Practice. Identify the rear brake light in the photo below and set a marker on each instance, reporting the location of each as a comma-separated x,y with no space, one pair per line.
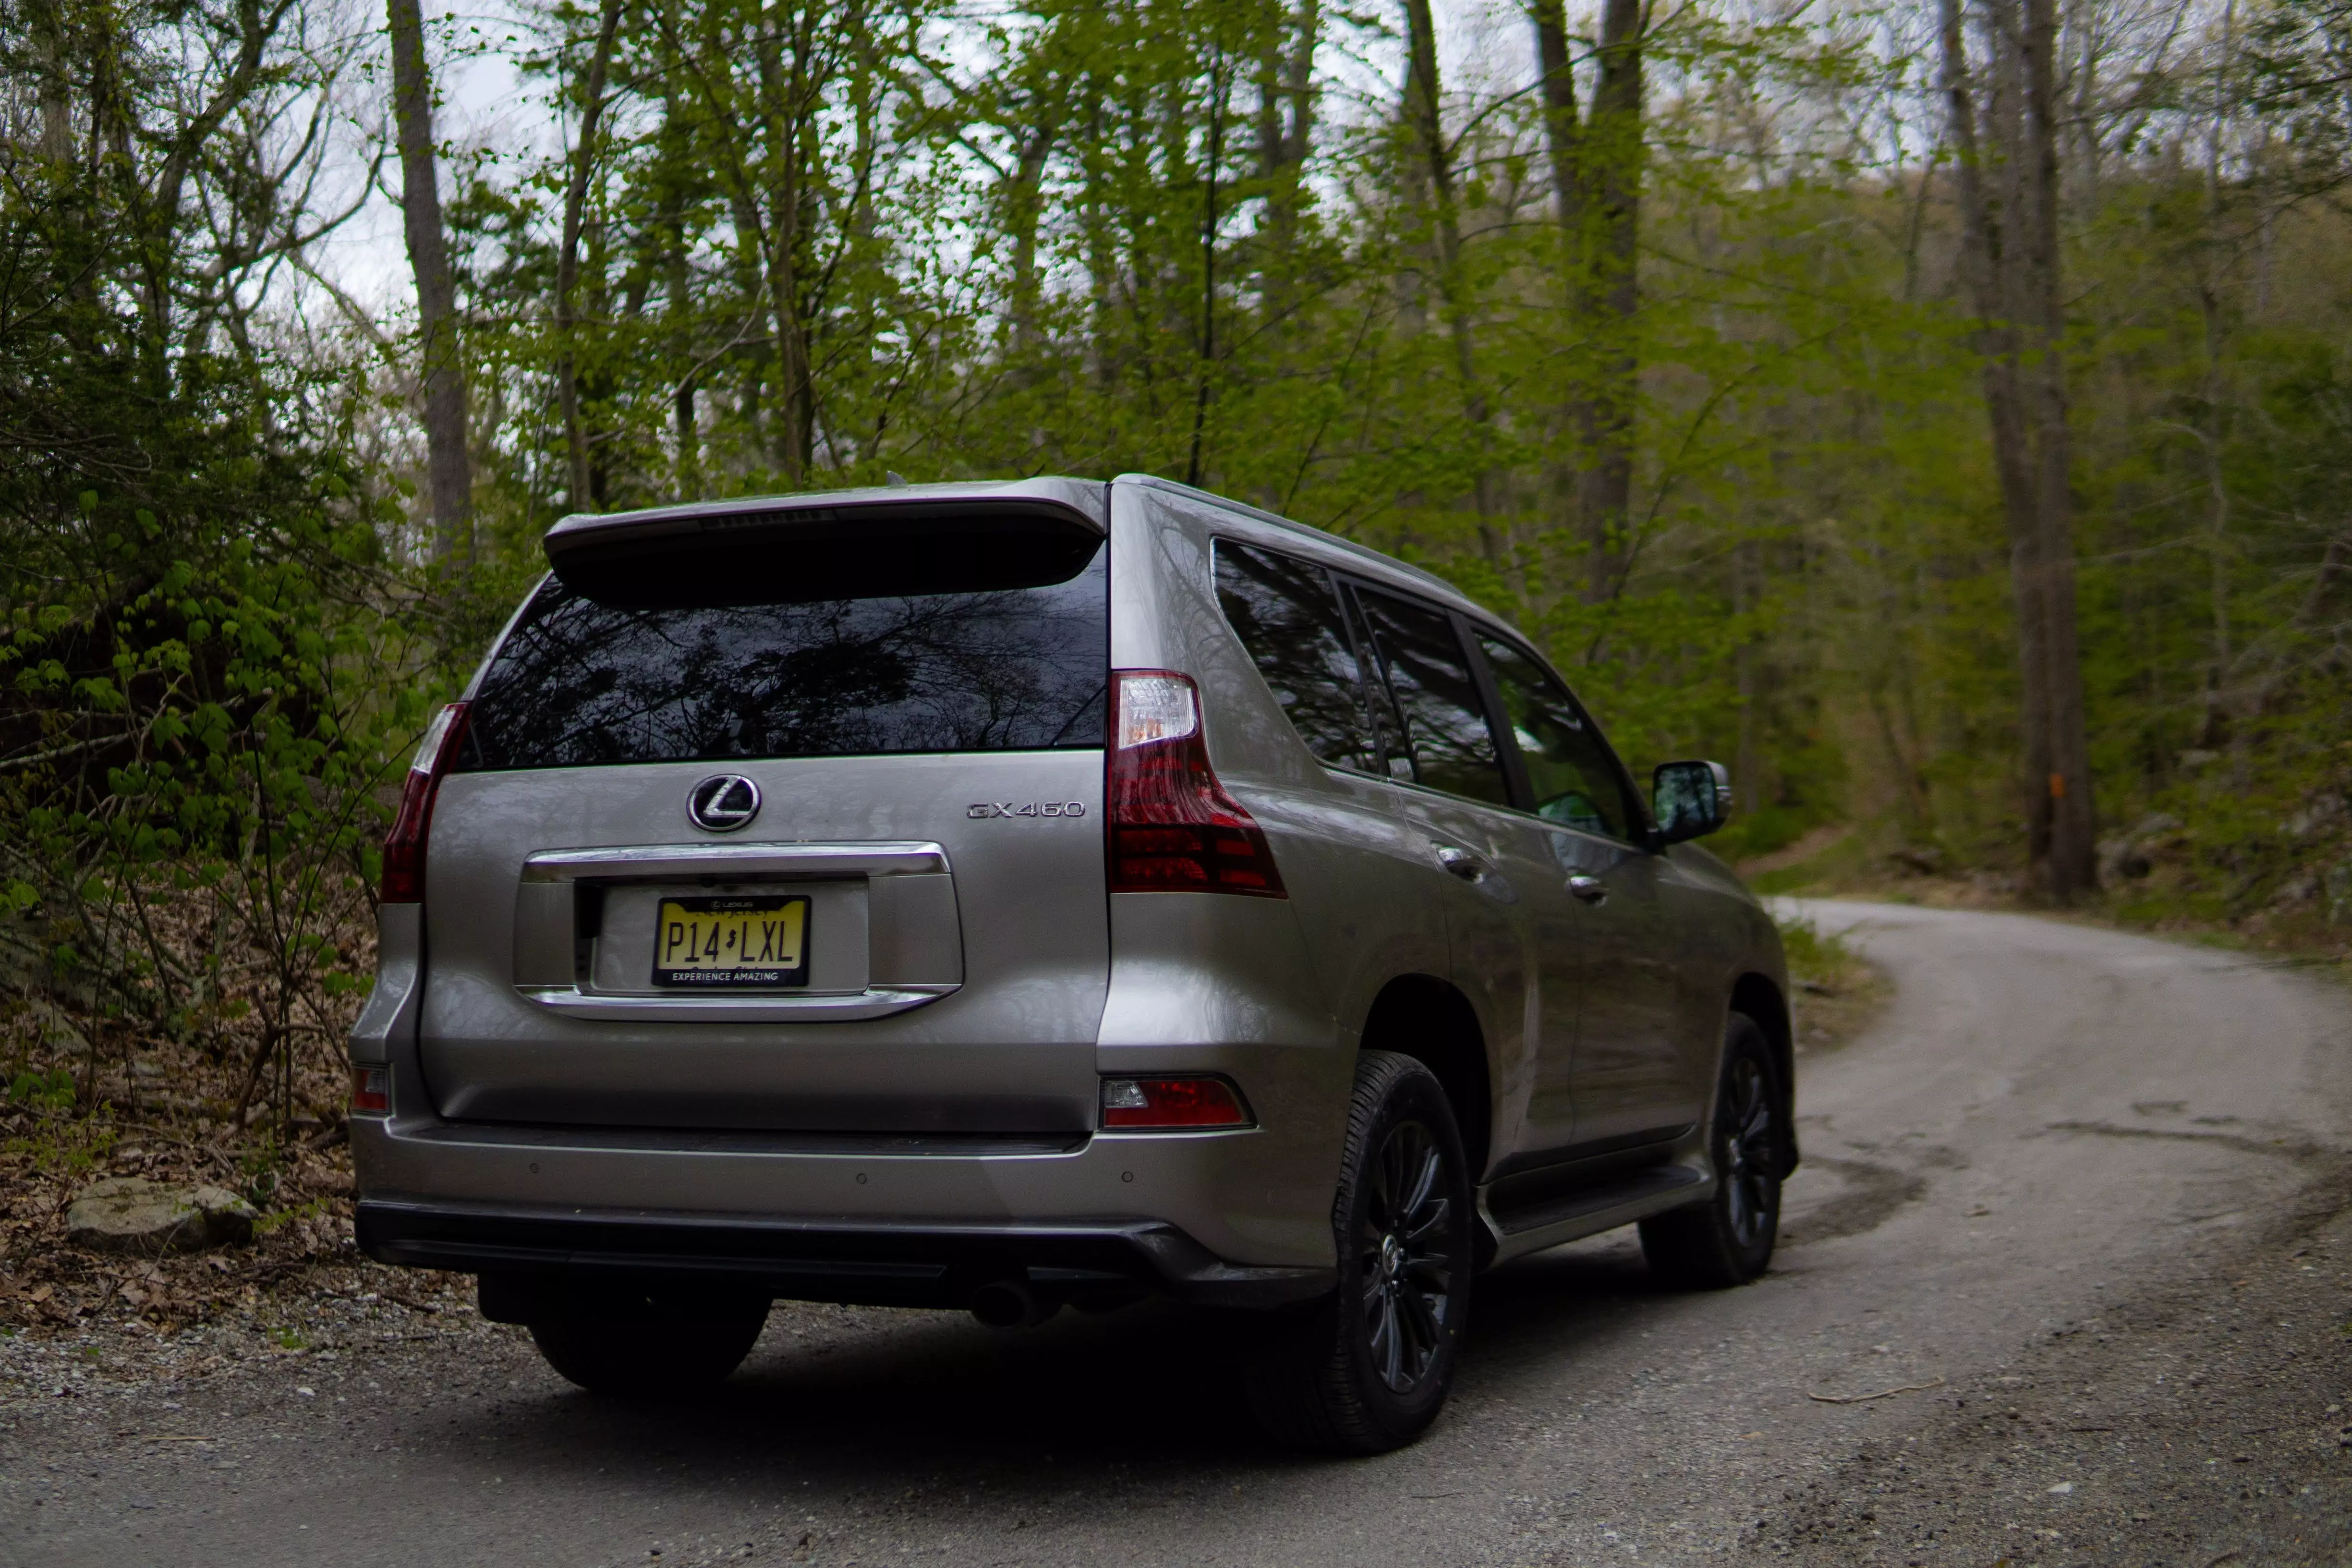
1172,827
404,846
1138,1102
371,1088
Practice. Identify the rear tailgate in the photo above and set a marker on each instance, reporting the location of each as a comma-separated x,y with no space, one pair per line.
918,896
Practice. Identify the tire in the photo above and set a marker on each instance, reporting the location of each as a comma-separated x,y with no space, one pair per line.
645,1343
1367,1368
1729,1239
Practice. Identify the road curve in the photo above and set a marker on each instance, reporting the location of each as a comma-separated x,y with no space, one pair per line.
2048,1118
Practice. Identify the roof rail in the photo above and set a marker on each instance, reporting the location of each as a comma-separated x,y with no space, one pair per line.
1153,481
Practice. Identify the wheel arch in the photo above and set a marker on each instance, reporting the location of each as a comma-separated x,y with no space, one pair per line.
1426,1019
1756,996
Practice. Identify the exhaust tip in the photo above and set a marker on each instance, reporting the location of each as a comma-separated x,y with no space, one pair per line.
1008,1304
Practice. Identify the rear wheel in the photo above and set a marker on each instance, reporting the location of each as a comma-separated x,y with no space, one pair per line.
632,1341
1367,1368
1729,1239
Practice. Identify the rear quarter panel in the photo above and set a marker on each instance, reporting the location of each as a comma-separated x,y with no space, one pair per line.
1273,991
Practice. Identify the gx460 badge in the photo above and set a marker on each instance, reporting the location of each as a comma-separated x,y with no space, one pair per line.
1026,808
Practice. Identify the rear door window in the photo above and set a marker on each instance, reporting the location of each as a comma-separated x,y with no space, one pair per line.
853,641
1286,613
1447,737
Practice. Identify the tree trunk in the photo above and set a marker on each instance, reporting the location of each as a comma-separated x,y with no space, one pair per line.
2074,851
1204,364
2010,264
1560,122
55,90
1610,221
1563,131
1023,205
449,471
1286,127
1596,173
1424,99
567,262
675,185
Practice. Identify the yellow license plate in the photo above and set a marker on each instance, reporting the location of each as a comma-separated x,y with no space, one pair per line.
722,944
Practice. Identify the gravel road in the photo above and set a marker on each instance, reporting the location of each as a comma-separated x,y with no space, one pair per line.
2075,1207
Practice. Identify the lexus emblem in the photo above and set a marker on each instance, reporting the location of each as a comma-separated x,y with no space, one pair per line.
724,803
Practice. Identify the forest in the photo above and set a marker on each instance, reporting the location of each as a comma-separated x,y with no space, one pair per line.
1940,411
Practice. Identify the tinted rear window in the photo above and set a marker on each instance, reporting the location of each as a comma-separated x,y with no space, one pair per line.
1286,613
844,642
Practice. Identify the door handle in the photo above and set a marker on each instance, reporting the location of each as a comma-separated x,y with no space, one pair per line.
1592,890
1461,862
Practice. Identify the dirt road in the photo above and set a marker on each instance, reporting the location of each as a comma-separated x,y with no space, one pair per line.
2076,1194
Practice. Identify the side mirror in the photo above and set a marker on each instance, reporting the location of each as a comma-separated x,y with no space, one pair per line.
1689,800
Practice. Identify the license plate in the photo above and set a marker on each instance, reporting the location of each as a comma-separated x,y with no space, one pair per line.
725,943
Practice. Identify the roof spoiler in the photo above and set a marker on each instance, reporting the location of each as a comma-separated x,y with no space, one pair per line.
1082,501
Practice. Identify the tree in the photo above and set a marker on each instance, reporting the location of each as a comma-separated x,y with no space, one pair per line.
585,491
1596,168
2008,174
448,467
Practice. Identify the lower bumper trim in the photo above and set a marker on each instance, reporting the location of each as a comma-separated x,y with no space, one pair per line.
857,1262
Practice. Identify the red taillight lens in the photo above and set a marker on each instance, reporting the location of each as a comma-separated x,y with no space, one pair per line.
1135,1102
404,846
372,1088
1173,828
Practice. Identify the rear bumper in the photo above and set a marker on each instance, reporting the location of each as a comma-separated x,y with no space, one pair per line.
862,1261
1234,1195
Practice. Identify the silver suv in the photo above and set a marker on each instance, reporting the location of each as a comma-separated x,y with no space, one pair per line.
1010,896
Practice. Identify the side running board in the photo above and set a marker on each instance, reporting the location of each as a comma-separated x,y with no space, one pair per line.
1567,1216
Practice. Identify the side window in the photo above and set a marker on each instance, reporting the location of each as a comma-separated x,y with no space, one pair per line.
1286,612
1576,782
1428,673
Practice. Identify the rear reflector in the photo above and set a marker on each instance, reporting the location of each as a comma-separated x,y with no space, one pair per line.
1138,1102
404,846
372,1088
1173,828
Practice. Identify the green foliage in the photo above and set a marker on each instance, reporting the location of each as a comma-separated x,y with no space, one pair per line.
211,652
277,1219
66,1146
261,1169
34,1090
1821,965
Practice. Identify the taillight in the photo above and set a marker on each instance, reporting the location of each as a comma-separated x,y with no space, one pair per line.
404,846
1173,828
1144,1102
372,1088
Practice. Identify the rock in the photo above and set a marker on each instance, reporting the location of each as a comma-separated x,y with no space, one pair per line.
2294,891
130,1213
2339,885
2156,823
1920,860
2317,814
2120,858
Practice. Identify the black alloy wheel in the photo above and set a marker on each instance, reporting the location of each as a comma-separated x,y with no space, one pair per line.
1367,1368
1729,1239
1747,1153
1404,1256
